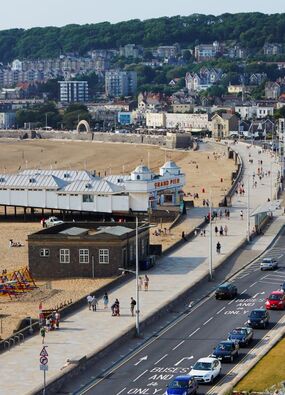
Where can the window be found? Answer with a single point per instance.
(44, 252)
(131, 252)
(83, 256)
(88, 198)
(64, 255)
(103, 256)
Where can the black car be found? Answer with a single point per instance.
(283, 287)
(258, 318)
(226, 350)
(242, 336)
(226, 291)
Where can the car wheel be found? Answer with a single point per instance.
(212, 380)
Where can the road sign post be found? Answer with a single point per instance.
(44, 365)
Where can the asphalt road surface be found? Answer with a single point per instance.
(174, 350)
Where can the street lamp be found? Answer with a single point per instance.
(210, 241)
(136, 272)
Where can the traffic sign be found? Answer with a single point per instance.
(44, 352)
(44, 367)
(43, 360)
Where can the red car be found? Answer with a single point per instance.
(276, 300)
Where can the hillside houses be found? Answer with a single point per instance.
(196, 82)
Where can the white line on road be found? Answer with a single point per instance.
(223, 308)
(243, 292)
(205, 323)
(193, 333)
(121, 391)
(179, 344)
(140, 376)
(280, 256)
(232, 301)
(252, 285)
(160, 359)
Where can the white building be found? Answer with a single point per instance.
(7, 120)
(82, 191)
(175, 120)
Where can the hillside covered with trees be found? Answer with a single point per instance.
(251, 30)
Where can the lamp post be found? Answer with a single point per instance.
(248, 209)
(136, 272)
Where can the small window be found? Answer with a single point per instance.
(103, 256)
(88, 198)
(84, 255)
(64, 255)
(44, 252)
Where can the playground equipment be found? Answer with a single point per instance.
(15, 283)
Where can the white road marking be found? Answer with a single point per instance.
(193, 333)
(223, 308)
(140, 376)
(270, 282)
(232, 301)
(179, 344)
(245, 275)
(205, 323)
(121, 391)
(160, 359)
(243, 292)
(252, 285)
(280, 256)
(181, 360)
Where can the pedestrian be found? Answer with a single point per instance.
(133, 303)
(140, 283)
(57, 319)
(116, 308)
(220, 214)
(221, 231)
(94, 303)
(218, 247)
(89, 300)
(146, 281)
(216, 230)
(241, 214)
(43, 334)
(105, 300)
(226, 230)
(204, 232)
(183, 236)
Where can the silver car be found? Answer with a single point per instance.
(268, 264)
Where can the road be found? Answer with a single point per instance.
(172, 351)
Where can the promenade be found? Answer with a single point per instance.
(86, 331)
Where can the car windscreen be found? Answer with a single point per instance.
(256, 314)
(224, 347)
(179, 384)
(202, 366)
(238, 332)
(274, 297)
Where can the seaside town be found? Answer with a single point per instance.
(142, 214)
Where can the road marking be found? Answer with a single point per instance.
(243, 292)
(179, 344)
(210, 319)
(223, 308)
(252, 285)
(181, 360)
(232, 301)
(160, 359)
(280, 256)
(121, 391)
(140, 360)
(193, 333)
(140, 376)
(245, 275)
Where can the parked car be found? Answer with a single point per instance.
(226, 291)
(275, 301)
(258, 318)
(242, 336)
(206, 370)
(226, 350)
(268, 264)
(182, 385)
(51, 221)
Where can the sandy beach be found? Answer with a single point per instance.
(204, 170)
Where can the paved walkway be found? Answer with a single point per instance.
(86, 331)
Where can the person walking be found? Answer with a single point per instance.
(221, 231)
(105, 300)
(89, 300)
(146, 282)
(116, 308)
(57, 319)
(140, 283)
(241, 214)
(216, 230)
(94, 303)
(133, 303)
(226, 230)
(218, 247)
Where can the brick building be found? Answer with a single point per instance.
(85, 249)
